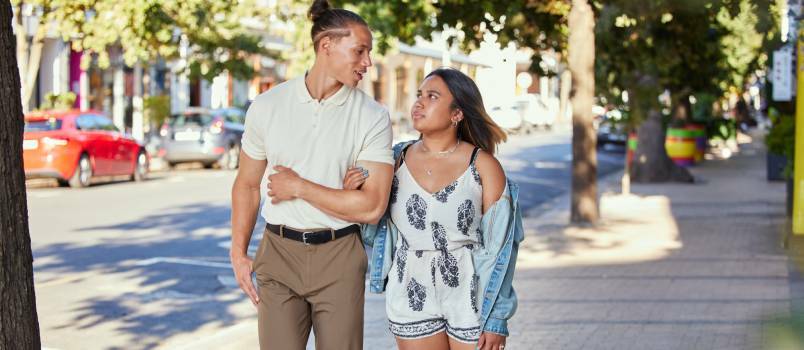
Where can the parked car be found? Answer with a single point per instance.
(75, 146)
(535, 112)
(209, 136)
(507, 117)
(611, 131)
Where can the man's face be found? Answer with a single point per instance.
(348, 57)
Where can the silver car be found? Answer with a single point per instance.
(209, 136)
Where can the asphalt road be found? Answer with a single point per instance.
(145, 265)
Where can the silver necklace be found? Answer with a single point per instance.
(439, 154)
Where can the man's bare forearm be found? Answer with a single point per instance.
(245, 204)
(349, 205)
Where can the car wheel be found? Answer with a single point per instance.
(83, 173)
(141, 168)
(231, 158)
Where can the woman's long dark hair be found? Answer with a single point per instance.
(331, 22)
(476, 127)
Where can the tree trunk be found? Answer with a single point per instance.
(563, 95)
(22, 40)
(137, 103)
(29, 57)
(651, 162)
(682, 109)
(19, 326)
(584, 157)
(34, 61)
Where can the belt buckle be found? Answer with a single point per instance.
(304, 238)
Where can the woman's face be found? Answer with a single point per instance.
(432, 110)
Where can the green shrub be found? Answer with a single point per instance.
(781, 138)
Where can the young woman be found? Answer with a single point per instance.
(451, 215)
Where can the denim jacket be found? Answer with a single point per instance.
(494, 260)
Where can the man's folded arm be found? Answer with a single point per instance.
(364, 205)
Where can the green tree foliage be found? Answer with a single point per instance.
(539, 25)
(683, 46)
(150, 29)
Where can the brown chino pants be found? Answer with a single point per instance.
(310, 285)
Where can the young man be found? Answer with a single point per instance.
(308, 132)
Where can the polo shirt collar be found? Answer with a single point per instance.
(339, 98)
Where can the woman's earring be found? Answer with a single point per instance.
(454, 123)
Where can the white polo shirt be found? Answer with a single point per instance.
(319, 140)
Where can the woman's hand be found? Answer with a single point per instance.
(355, 177)
(491, 341)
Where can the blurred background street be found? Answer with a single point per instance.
(657, 146)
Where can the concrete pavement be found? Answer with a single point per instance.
(672, 266)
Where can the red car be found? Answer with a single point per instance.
(75, 146)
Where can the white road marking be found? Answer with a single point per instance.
(44, 194)
(531, 180)
(228, 281)
(550, 165)
(176, 179)
(182, 261)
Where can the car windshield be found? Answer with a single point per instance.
(42, 125)
(197, 119)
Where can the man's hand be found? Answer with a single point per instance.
(491, 341)
(355, 177)
(242, 266)
(284, 185)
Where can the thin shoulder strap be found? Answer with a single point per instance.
(402, 157)
(474, 155)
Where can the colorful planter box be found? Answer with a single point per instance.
(686, 146)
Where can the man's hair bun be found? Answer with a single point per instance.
(318, 9)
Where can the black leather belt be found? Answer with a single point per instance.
(312, 237)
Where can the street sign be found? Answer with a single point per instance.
(782, 75)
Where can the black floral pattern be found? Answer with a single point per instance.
(443, 195)
(479, 234)
(394, 190)
(416, 295)
(433, 269)
(419, 253)
(466, 215)
(473, 290)
(476, 174)
(448, 266)
(401, 259)
(439, 236)
(417, 329)
(469, 335)
(417, 211)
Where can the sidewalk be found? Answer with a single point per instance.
(672, 266)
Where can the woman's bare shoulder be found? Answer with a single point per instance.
(492, 175)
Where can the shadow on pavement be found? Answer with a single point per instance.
(149, 299)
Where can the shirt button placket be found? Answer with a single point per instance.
(317, 113)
